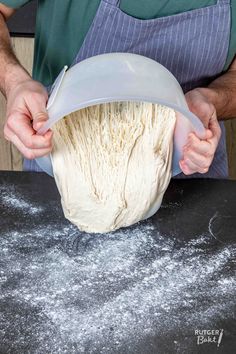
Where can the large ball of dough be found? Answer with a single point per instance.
(112, 163)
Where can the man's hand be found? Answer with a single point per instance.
(26, 113)
(26, 99)
(199, 153)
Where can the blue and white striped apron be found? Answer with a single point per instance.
(193, 45)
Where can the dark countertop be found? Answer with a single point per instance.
(144, 289)
(22, 23)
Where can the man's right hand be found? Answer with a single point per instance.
(26, 113)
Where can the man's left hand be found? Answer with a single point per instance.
(199, 153)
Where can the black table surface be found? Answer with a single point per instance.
(149, 288)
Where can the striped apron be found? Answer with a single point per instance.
(193, 45)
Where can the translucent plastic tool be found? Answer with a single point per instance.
(120, 77)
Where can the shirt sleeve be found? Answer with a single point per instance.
(15, 4)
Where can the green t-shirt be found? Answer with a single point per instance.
(62, 26)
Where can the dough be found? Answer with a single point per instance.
(112, 163)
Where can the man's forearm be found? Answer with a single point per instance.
(222, 93)
(11, 71)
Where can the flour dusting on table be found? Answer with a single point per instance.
(9, 197)
(108, 293)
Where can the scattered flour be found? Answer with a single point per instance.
(10, 198)
(123, 292)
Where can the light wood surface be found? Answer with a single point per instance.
(10, 158)
(230, 126)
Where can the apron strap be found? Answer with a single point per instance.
(113, 2)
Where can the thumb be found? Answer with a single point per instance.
(39, 119)
(215, 127)
(38, 112)
(209, 134)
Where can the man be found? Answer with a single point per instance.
(194, 40)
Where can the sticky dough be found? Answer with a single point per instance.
(112, 163)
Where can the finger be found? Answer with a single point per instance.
(188, 167)
(199, 160)
(26, 152)
(20, 126)
(206, 147)
(192, 137)
(201, 147)
(10, 135)
(185, 168)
